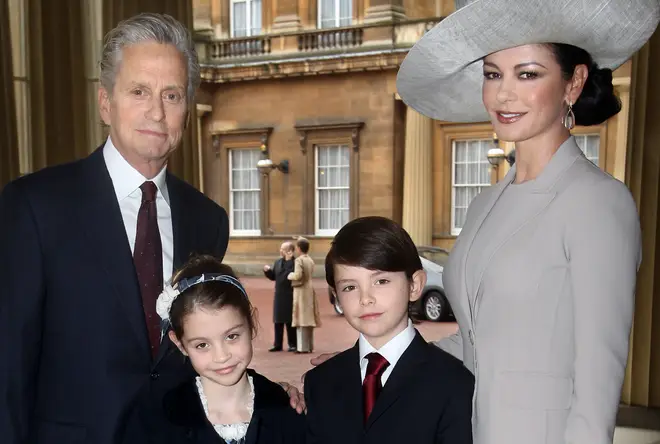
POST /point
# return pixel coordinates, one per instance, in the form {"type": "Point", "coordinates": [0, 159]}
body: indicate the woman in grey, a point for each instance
{"type": "Point", "coordinates": [549, 346]}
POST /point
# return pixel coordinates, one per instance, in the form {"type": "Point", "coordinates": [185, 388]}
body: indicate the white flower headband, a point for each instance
{"type": "Point", "coordinates": [170, 293]}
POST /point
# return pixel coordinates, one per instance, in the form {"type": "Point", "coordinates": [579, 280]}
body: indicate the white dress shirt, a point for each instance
{"type": "Point", "coordinates": [126, 181]}
{"type": "Point", "coordinates": [391, 351]}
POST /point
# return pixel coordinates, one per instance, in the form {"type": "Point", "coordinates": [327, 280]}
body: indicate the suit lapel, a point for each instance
{"type": "Point", "coordinates": [469, 233]}
{"type": "Point", "coordinates": [349, 403]}
{"type": "Point", "coordinates": [183, 244]}
{"type": "Point", "coordinates": [402, 375]}
{"type": "Point", "coordinates": [541, 194]}
{"type": "Point", "coordinates": [104, 227]}
{"type": "Point", "coordinates": [182, 227]}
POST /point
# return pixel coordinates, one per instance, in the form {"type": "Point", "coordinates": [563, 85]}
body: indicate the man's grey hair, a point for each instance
{"type": "Point", "coordinates": [148, 27]}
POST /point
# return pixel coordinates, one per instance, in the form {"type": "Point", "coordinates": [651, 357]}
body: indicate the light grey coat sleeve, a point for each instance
{"type": "Point", "coordinates": [603, 245]}
{"type": "Point", "coordinates": [452, 344]}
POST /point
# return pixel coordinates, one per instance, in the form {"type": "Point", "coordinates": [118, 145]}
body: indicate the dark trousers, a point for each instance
{"type": "Point", "coordinates": [279, 335]}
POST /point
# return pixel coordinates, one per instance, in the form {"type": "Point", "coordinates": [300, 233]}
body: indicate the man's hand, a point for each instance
{"type": "Point", "coordinates": [296, 398]}
{"type": "Point", "coordinates": [266, 268]}
{"type": "Point", "coordinates": [288, 255]}
{"type": "Point", "coordinates": [322, 358]}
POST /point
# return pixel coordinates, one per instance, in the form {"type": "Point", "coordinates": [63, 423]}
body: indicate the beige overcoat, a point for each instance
{"type": "Point", "coordinates": [305, 308]}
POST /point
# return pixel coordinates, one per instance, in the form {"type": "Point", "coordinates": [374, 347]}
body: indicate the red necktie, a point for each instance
{"type": "Point", "coordinates": [148, 259]}
{"type": "Point", "coordinates": [372, 385]}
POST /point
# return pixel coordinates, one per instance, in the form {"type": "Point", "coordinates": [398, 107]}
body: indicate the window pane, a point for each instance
{"type": "Point", "coordinates": [255, 17]}
{"type": "Point", "coordinates": [245, 189]}
{"type": "Point", "coordinates": [332, 184]}
{"type": "Point", "coordinates": [239, 19]}
{"type": "Point", "coordinates": [471, 174]}
{"type": "Point", "coordinates": [345, 12]}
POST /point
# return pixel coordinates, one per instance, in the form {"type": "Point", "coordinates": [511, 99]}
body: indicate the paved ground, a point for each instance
{"type": "Point", "coordinates": [334, 334]}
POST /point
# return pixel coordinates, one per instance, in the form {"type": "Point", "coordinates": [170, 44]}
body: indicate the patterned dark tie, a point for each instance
{"type": "Point", "coordinates": [372, 385]}
{"type": "Point", "coordinates": [148, 258]}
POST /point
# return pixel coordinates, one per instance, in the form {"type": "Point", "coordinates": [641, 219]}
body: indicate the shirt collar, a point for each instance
{"type": "Point", "coordinates": [127, 179]}
{"type": "Point", "coordinates": [391, 351]}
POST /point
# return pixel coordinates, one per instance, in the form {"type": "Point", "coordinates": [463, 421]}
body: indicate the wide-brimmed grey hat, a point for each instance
{"type": "Point", "coordinates": [442, 75]}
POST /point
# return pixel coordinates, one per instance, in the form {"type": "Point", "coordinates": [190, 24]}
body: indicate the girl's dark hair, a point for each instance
{"type": "Point", "coordinates": [374, 243]}
{"type": "Point", "coordinates": [597, 103]}
{"type": "Point", "coordinates": [212, 295]}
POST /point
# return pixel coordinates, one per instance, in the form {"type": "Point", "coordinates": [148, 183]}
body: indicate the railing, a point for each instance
{"type": "Point", "coordinates": [239, 47]}
{"type": "Point", "coordinates": [345, 39]}
{"type": "Point", "coordinates": [329, 39]}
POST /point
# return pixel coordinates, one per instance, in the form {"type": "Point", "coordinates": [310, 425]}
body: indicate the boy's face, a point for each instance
{"type": "Point", "coordinates": [376, 302]}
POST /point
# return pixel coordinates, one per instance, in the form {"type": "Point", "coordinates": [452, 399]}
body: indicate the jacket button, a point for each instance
{"type": "Point", "coordinates": [154, 375]}
{"type": "Point", "coordinates": [471, 336]}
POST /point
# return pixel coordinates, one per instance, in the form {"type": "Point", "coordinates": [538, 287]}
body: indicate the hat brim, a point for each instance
{"type": "Point", "coordinates": [441, 77]}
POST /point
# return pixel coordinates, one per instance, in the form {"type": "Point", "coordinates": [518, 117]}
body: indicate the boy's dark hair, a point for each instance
{"type": "Point", "coordinates": [212, 295]}
{"type": "Point", "coordinates": [374, 243]}
{"type": "Point", "coordinates": [303, 244]}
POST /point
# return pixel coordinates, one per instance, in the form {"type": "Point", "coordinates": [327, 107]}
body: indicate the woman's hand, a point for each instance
{"type": "Point", "coordinates": [296, 398]}
{"type": "Point", "coordinates": [322, 358]}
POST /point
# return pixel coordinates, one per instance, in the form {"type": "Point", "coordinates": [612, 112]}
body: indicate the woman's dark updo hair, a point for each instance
{"type": "Point", "coordinates": [212, 295]}
{"type": "Point", "coordinates": [597, 103]}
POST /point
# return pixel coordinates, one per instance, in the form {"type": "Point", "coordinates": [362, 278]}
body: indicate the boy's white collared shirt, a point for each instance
{"type": "Point", "coordinates": [392, 351]}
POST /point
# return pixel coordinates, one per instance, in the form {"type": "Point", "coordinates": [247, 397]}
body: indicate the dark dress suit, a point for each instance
{"type": "Point", "coordinates": [73, 338]}
{"type": "Point", "coordinates": [427, 399]}
{"type": "Point", "coordinates": [178, 417]}
{"type": "Point", "coordinates": [283, 304]}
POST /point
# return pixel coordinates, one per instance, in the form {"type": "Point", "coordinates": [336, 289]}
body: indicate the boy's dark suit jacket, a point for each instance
{"type": "Point", "coordinates": [178, 417]}
{"type": "Point", "coordinates": [427, 399]}
{"type": "Point", "coordinates": [73, 338]}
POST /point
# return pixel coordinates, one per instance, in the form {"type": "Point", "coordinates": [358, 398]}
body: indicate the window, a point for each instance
{"type": "Point", "coordinates": [244, 192]}
{"type": "Point", "coordinates": [470, 174]}
{"type": "Point", "coordinates": [590, 146]}
{"type": "Point", "coordinates": [334, 13]}
{"type": "Point", "coordinates": [332, 188]}
{"type": "Point", "coordinates": [245, 18]}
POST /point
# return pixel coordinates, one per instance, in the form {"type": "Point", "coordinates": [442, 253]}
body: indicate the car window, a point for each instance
{"type": "Point", "coordinates": [435, 255]}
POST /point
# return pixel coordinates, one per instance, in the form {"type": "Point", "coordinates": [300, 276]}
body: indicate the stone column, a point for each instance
{"type": "Point", "coordinates": [93, 41]}
{"type": "Point", "coordinates": [202, 110]}
{"type": "Point", "coordinates": [8, 140]}
{"type": "Point", "coordinates": [619, 167]}
{"type": "Point", "coordinates": [287, 16]}
{"type": "Point", "coordinates": [183, 161]}
{"type": "Point", "coordinates": [58, 97]}
{"type": "Point", "coordinates": [384, 11]}
{"type": "Point", "coordinates": [642, 383]}
{"type": "Point", "coordinates": [417, 178]}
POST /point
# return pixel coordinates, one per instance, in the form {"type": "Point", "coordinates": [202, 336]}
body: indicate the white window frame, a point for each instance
{"type": "Point", "coordinates": [338, 17]}
{"type": "Point", "coordinates": [584, 137]}
{"type": "Point", "coordinates": [232, 230]}
{"type": "Point", "coordinates": [248, 17]}
{"type": "Point", "coordinates": [455, 231]}
{"type": "Point", "coordinates": [317, 230]}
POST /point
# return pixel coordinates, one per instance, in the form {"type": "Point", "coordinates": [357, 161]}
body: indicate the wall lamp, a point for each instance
{"type": "Point", "coordinates": [265, 165]}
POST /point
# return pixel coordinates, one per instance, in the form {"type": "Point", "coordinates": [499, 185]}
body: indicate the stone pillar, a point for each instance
{"type": "Point", "coordinates": [417, 178]}
{"type": "Point", "coordinates": [384, 11]}
{"type": "Point", "coordinates": [220, 19]}
{"type": "Point", "coordinates": [8, 140]}
{"type": "Point", "coordinates": [58, 98]}
{"type": "Point", "coordinates": [202, 110]}
{"type": "Point", "coordinates": [183, 161]}
{"type": "Point", "coordinates": [287, 16]}
{"type": "Point", "coordinates": [93, 41]}
{"type": "Point", "coordinates": [642, 383]}
{"type": "Point", "coordinates": [619, 167]}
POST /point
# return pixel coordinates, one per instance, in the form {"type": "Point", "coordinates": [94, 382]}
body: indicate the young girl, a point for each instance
{"type": "Point", "coordinates": [213, 324]}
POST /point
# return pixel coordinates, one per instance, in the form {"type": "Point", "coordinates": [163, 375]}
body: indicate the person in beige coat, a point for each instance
{"type": "Point", "coordinates": [305, 308]}
{"type": "Point", "coordinates": [542, 276]}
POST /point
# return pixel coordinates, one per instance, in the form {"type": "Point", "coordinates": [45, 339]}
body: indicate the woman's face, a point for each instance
{"type": "Point", "coordinates": [524, 92]}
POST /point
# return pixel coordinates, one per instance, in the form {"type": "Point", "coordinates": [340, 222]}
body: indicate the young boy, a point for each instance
{"type": "Point", "coordinates": [392, 386]}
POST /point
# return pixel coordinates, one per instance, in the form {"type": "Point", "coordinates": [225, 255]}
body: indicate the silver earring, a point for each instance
{"type": "Point", "coordinates": [569, 118]}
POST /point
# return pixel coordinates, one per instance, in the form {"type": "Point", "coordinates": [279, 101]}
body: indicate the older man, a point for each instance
{"type": "Point", "coordinates": [85, 248]}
